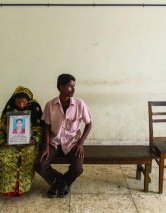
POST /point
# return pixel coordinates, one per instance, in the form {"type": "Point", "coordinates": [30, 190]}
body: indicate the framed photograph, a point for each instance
{"type": "Point", "coordinates": [19, 128]}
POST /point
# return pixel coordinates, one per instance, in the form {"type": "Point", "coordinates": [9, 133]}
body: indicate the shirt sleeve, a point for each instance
{"type": "Point", "coordinates": [86, 116]}
{"type": "Point", "coordinates": [46, 114]}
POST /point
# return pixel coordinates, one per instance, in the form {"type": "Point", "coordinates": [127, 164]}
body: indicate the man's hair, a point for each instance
{"type": "Point", "coordinates": [19, 119]}
{"type": "Point", "coordinates": [64, 79]}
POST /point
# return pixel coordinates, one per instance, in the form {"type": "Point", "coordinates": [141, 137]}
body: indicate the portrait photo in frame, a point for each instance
{"type": "Point", "coordinates": [19, 128]}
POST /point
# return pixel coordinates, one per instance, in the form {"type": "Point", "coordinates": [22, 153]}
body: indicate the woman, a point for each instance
{"type": "Point", "coordinates": [17, 161]}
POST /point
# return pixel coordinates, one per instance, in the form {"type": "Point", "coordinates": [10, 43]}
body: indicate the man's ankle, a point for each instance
{"type": "Point", "coordinates": [64, 189]}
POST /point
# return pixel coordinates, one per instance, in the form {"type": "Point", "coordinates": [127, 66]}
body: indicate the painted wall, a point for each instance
{"type": "Point", "coordinates": [118, 55]}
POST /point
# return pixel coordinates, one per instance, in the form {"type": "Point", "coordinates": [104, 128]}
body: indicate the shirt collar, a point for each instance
{"type": "Point", "coordinates": [72, 101]}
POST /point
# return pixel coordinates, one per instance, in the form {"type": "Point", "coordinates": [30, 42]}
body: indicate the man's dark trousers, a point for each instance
{"type": "Point", "coordinates": [44, 168]}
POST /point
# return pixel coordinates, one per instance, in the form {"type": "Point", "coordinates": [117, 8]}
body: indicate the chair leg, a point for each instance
{"type": "Point", "coordinates": [161, 173]}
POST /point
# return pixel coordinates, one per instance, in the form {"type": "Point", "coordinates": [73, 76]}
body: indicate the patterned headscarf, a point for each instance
{"type": "Point", "coordinates": [33, 106]}
{"type": "Point", "coordinates": [26, 91]}
{"type": "Point", "coordinates": [20, 92]}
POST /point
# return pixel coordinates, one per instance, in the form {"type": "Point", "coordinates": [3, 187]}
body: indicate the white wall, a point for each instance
{"type": "Point", "coordinates": [118, 55]}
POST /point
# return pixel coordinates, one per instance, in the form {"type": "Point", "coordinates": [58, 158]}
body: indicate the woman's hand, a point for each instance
{"type": "Point", "coordinates": [79, 149]}
{"type": "Point", "coordinates": [3, 142]}
{"type": "Point", "coordinates": [32, 142]}
{"type": "Point", "coordinates": [45, 153]}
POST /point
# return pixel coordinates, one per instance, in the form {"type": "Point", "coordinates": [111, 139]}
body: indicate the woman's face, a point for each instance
{"type": "Point", "coordinates": [21, 103]}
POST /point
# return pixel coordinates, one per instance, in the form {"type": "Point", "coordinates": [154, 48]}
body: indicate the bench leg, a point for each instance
{"type": "Point", "coordinates": [150, 170]}
{"type": "Point", "coordinates": [138, 172]}
{"type": "Point", "coordinates": [151, 166]}
{"type": "Point", "coordinates": [146, 176]}
{"type": "Point", "coordinates": [161, 173]}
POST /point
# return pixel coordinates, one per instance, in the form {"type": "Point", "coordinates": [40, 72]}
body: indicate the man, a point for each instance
{"type": "Point", "coordinates": [62, 116]}
{"type": "Point", "coordinates": [19, 127]}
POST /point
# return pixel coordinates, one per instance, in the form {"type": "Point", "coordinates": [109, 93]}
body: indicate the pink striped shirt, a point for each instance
{"type": "Point", "coordinates": [65, 127]}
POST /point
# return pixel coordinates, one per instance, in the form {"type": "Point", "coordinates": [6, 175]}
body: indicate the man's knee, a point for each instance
{"type": "Point", "coordinates": [78, 171]}
{"type": "Point", "coordinates": [41, 166]}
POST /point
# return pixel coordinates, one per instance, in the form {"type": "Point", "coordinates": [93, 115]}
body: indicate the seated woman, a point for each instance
{"type": "Point", "coordinates": [17, 161]}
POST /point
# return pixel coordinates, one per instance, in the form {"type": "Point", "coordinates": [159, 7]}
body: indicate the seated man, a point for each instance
{"type": "Point", "coordinates": [62, 116]}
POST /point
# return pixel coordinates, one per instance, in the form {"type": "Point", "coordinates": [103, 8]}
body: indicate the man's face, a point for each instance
{"type": "Point", "coordinates": [68, 90]}
{"type": "Point", "coordinates": [19, 124]}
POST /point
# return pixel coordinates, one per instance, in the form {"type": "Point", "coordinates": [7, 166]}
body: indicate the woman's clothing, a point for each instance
{"type": "Point", "coordinates": [17, 161]}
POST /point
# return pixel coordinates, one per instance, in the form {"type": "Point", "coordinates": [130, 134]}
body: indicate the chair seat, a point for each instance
{"type": "Point", "coordinates": [160, 143]}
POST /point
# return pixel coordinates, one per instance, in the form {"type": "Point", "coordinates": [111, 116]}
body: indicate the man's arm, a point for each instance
{"type": "Point", "coordinates": [47, 135]}
{"type": "Point", "coordinates": [79, 146]}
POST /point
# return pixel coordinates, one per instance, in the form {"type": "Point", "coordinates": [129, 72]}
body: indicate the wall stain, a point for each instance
{"type": "Point", "coordinates": [104, 82]}
{"type": "Point", "coordinates": [95, 43]}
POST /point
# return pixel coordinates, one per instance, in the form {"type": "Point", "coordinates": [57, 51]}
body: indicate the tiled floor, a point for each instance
{"type": "Point", "coordinates": [100, 189]}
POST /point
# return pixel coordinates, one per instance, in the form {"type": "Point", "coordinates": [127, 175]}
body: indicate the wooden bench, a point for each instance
{"type": "Point", "coordinates": [109, 154]}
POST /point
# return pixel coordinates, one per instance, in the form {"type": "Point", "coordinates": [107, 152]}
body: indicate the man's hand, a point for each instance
{"type": "Point", "coordinates": [79, 149]}
{"type": "Point", "coordinates": [45, 153]}
{"type": "Point", "coordinates": [79, 145]}
{"type": "Point", "coordinates": [47, 135]}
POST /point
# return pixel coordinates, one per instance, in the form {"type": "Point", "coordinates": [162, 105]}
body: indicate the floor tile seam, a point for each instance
{"type": "Point", "coordinates": [69, 203]}
{"type": "Point", "coordinates": [2, 206]}
{"type": "Point", "coordinates": [148, 194]}
{"type": "Point", "coordinates": [102, 193]}
{"type": "Point", "coordinates": [129, 190]}
{"type": "Point", "coordinates": [110, 193]}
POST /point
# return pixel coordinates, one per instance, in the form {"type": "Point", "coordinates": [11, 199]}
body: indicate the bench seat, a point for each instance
{"type": "Point", "coordinates": [120, 154]}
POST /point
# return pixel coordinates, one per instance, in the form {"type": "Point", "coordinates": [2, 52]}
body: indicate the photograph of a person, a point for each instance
{"type": "Point", "coordinates": [19, 126]}
{"type": "Point", "coordinates": [19, 130]}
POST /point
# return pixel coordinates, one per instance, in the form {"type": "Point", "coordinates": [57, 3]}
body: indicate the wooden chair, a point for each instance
{"type": "Point", "coordinates": [158, 144]}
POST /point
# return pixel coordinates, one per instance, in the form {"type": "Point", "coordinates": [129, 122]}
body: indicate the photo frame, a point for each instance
{"type": "Point", "coordinates": [18, 128]}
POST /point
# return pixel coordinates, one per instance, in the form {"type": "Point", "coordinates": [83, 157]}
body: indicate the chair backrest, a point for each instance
{"type": "Point", "coordinates": [152, 119]}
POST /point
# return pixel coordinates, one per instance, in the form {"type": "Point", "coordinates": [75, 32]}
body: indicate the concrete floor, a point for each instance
{"type": "Point", "coordinates": [100, 189]}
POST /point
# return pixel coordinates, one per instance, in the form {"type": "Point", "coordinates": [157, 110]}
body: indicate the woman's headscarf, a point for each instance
{"type": "Point", "coordinates": [20, 92]}
{"type": "Point", "coordinates": [33, 106]}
